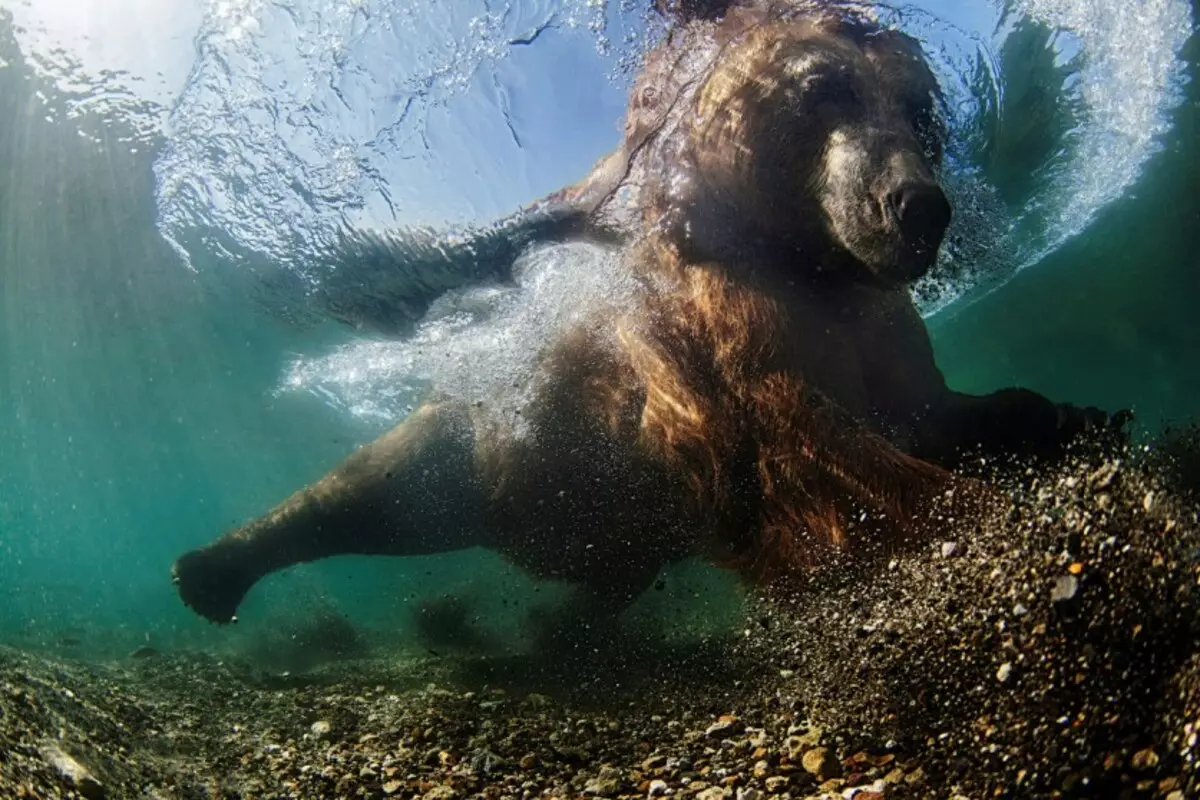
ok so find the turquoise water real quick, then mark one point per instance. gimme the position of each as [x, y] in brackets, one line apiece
[140, 402]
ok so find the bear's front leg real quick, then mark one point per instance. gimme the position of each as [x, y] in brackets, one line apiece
[413, 491]
[1015, 422]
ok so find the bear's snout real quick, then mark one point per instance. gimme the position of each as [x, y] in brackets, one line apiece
[921, 212]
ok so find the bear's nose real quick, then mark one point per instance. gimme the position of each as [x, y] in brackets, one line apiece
[921, 211]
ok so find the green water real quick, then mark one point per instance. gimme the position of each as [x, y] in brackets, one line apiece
[1111, 318]
[137, 414]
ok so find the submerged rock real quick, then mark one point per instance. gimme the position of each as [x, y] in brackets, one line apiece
[77, 776]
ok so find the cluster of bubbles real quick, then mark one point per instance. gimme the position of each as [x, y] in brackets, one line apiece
[479, 345]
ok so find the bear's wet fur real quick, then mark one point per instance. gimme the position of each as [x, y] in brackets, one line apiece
[770, 398]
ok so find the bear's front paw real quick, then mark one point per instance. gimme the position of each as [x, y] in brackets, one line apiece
[211, 583]
[1095, 426]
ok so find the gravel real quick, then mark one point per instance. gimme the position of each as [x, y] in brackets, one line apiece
[1050, 652]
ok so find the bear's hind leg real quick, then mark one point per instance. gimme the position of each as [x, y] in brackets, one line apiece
[413, 491]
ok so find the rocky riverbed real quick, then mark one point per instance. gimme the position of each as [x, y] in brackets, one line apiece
[1048, 650]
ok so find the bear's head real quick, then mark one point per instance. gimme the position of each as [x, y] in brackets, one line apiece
[809, 134]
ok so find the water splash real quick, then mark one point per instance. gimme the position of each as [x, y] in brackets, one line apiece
[1131, 82]
[1118, 65]
[480, 346]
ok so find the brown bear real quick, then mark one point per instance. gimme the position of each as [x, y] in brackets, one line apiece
[769, 400]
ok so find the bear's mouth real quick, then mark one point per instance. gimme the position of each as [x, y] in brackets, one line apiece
[919, 211]
[915, 258]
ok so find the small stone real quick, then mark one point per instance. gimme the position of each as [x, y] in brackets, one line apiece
[528, 761]
[797, 743]
[1005, 672]
[1065, 588]
[441, 793]
[949, 549]
[713, 793]
[820, 762]
[654, 762]
[916, 777]
[749, 793]
[794, 746]
[727, 725]
[658, 788]
[761, 768]
[321, 729]
[535, 700]
[605, 785]
[391, 787]
[74, 773]
[777, 784]
[894, 777]
[1103, 477]
[1144, 759]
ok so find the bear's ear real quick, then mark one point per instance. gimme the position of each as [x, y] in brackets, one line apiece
[683, 11]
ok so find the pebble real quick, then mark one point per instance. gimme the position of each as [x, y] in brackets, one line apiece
[321, 729]
[606, 784]
[73, 772]
[1065, 588]
[1144, 760]
[820, 762]
[1004, 672]
[654, 762]
[777, 783]
[725, 726]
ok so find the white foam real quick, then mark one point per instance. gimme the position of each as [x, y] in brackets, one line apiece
[1131, 82]
[480, 345]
